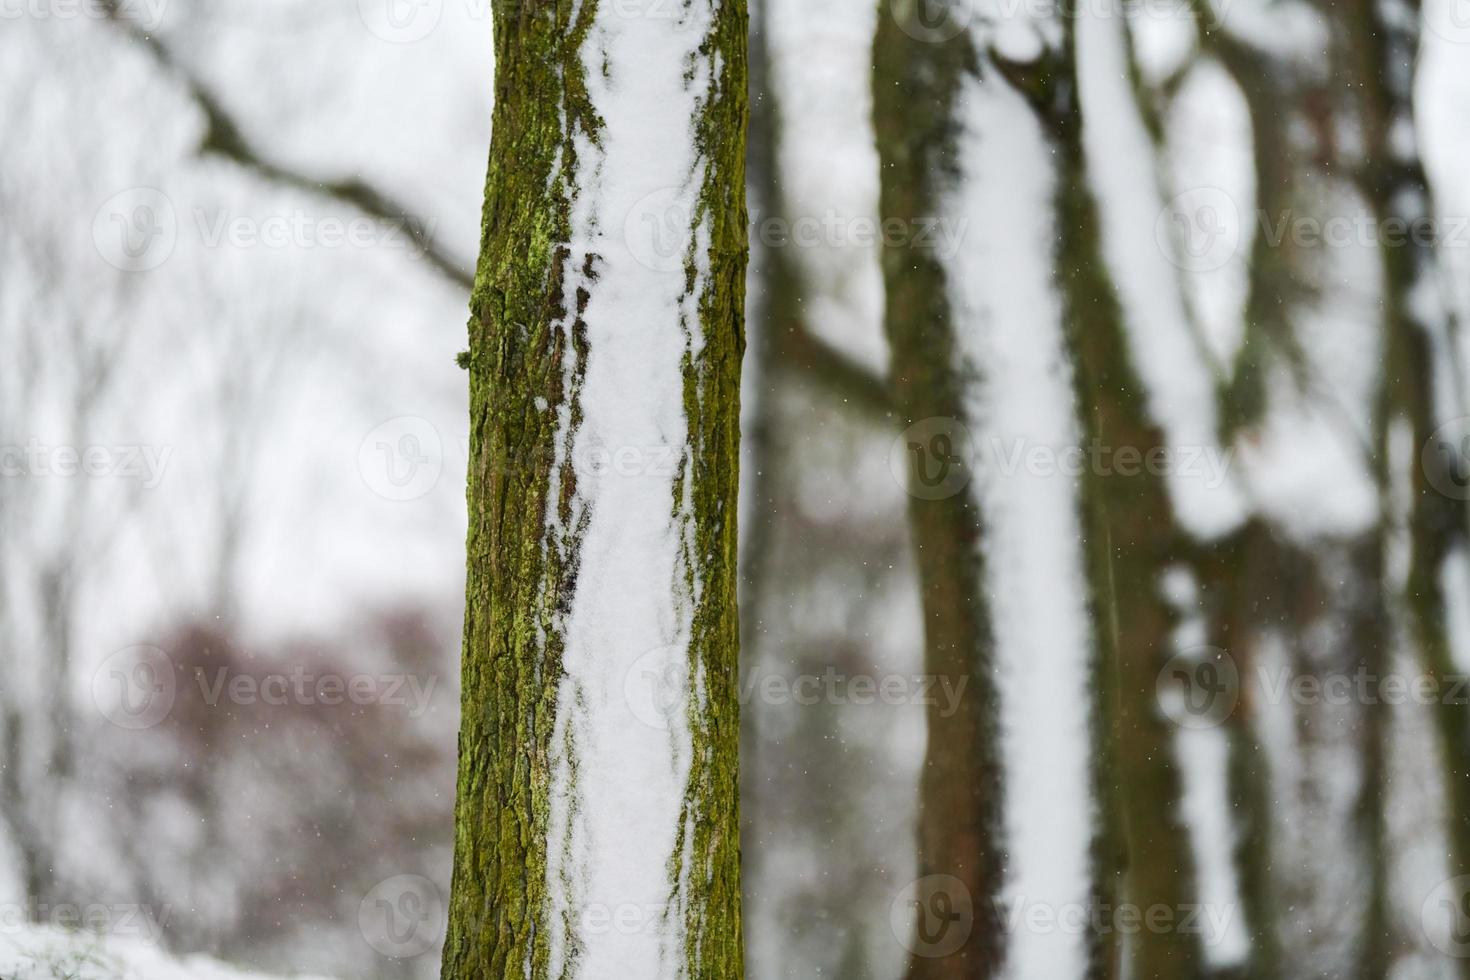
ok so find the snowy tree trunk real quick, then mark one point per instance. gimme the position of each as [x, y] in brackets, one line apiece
[1272, 592]
[596, 819]
[1143, 857]
[982, 337]
[1422, 387]
[916, 87]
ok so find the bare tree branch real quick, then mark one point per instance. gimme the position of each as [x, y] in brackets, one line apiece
[834, 370]
[223, 137]
[797, 346]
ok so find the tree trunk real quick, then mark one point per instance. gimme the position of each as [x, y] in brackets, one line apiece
[1421, 381]
[1143, 856]
[958, 932]
[596, 820]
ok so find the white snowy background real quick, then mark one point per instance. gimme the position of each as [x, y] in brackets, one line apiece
[301, 400]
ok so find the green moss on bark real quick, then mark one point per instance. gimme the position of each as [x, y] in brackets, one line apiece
[528, 350]
[707, 852]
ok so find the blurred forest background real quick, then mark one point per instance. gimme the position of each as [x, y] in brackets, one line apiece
[236, 240]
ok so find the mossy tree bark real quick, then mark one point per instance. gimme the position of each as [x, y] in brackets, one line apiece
[598, 747]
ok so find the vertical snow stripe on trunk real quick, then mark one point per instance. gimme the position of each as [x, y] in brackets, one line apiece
[597, 828]
[1421, 390]
[1010, 343]
[961, 845]
[1132, 540]
[1181, 396]
[643, 780]
[1170, 357]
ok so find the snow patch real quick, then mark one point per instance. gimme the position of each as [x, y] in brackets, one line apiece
[37, 953]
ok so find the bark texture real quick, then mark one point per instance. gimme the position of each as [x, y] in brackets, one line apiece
[515, 910]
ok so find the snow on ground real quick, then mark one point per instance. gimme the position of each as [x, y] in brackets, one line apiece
[36, 953]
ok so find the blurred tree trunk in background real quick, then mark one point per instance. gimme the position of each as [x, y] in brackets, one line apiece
[1271, 595]
[916, 84]
[595, 331]
[1258, 586]
[1142, 856]
[1423, 383]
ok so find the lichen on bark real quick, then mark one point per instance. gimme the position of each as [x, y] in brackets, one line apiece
[529, 351]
